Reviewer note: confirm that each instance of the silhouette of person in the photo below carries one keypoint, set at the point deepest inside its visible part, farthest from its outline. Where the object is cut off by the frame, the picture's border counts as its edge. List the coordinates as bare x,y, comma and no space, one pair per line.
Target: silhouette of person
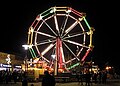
81,78
99,77
24,81
87,78
48,80
15,76
32,85
104,77
95,77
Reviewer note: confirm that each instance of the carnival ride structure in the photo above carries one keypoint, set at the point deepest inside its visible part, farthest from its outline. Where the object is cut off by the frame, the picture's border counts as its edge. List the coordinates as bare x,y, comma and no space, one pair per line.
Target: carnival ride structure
61,37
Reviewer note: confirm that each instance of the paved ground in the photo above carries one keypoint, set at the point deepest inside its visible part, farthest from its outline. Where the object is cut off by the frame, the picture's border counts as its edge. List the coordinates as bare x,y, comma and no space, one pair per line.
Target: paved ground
109,83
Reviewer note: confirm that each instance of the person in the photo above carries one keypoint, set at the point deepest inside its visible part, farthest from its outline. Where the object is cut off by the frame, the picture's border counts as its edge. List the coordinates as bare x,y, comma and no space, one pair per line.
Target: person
32,85
87,78
99,77
81,78
48,80
104,77
24,81
14,76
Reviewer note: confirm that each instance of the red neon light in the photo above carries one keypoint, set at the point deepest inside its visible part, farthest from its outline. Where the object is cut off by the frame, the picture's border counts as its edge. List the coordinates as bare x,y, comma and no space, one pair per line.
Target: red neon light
34,26
33,23
86,54
76,12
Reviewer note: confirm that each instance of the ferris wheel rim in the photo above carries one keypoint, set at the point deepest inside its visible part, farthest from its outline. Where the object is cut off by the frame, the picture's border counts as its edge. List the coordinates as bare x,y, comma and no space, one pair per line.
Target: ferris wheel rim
63,34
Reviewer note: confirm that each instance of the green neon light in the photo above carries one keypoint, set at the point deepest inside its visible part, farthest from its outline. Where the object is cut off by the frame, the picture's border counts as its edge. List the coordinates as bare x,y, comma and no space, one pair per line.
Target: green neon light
31,52
73,66
46,11
86,23
45,15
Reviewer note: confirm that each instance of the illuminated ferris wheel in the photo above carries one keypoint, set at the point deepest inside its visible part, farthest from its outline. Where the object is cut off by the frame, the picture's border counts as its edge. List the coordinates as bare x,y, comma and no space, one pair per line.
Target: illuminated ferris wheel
60,35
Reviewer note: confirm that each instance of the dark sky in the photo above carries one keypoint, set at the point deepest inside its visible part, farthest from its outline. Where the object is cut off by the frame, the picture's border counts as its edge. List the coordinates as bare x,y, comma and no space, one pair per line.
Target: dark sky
17,16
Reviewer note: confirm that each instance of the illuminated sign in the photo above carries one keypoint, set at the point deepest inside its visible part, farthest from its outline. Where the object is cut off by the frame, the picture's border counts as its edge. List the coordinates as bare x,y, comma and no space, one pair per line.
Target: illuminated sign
5,65
18,66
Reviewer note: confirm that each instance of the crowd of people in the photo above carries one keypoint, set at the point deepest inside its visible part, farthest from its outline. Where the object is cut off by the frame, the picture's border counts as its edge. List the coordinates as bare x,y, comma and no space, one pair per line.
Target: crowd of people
100,77
88,78
91,77
21,76
7,76
49,80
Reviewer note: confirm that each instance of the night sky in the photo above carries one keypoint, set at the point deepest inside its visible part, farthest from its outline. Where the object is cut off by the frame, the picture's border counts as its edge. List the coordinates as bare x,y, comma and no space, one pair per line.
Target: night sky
17,16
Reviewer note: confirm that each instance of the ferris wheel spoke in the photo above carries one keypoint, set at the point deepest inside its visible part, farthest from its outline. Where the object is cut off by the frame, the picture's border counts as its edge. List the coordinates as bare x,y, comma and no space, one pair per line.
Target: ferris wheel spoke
64,24
81,26
79,52
70,28
56,24
75,43
70,60
50,28
45,34
74,35
72,17
47,49
45,42
45,59
71,51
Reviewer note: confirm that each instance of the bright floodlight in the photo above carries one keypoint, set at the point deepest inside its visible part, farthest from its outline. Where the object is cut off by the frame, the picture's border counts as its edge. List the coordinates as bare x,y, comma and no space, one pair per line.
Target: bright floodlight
53,56
25,46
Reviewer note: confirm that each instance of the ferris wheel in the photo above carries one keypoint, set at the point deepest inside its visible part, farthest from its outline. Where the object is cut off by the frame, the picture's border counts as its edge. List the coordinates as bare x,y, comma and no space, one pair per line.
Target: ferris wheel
60,36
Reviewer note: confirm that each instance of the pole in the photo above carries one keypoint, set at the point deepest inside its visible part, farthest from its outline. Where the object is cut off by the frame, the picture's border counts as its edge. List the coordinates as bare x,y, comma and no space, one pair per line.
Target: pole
56,66
26,50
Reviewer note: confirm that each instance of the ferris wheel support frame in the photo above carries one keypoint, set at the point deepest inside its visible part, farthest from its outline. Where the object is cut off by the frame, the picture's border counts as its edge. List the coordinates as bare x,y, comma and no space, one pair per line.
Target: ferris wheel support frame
43,17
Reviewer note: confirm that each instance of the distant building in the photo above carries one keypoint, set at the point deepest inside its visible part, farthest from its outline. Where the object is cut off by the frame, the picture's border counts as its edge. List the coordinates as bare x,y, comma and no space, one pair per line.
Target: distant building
16,61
